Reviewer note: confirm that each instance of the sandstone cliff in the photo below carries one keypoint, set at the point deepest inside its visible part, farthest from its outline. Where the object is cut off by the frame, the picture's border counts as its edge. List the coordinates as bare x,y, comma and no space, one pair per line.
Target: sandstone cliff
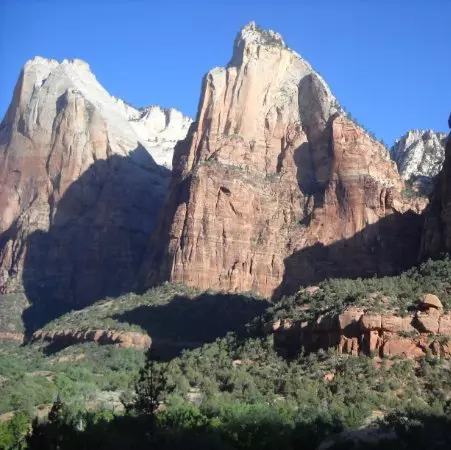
275,187
79,186
419,156
65,338
437,230
360,331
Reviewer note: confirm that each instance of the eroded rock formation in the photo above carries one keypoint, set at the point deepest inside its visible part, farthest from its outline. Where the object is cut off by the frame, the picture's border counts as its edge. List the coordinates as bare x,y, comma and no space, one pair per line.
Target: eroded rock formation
273,177
361,331
64,338
79,187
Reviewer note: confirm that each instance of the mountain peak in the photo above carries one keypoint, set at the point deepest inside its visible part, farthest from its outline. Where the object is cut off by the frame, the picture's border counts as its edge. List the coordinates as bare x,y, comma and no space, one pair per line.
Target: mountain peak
254,35
419,155
44,65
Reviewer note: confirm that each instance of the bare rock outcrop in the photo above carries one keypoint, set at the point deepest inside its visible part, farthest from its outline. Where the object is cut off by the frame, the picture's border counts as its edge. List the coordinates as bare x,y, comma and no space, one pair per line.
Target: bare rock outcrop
275,187
419,156
65,337
359,331
11,336
79,187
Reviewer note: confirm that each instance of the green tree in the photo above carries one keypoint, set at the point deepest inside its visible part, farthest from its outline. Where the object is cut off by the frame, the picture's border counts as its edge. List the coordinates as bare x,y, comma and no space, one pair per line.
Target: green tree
13,434
151,387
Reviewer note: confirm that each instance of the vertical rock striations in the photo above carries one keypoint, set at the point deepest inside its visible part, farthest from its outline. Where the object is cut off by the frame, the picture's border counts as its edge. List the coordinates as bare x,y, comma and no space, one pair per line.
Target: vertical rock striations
274,186
79,187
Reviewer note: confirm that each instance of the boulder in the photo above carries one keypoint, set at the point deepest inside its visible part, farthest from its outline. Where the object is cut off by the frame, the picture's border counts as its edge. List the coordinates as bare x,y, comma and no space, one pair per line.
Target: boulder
430,301
428,322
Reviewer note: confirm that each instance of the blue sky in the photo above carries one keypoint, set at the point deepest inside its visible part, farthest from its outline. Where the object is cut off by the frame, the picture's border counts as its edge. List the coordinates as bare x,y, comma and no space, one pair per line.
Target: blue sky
387,61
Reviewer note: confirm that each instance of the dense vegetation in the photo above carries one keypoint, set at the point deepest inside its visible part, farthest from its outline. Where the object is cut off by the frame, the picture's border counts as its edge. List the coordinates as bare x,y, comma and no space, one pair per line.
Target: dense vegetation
397,294
264,403
82,374
234,391
170,313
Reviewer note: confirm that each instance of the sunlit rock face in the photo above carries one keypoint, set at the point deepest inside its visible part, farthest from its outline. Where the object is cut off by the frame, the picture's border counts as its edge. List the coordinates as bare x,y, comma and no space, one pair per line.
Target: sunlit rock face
419,156
80,184
158,129
275,187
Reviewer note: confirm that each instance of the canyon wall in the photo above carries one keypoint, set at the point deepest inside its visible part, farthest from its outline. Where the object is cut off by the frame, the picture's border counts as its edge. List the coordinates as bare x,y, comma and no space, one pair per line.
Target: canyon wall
274,187
80,189
437,230
359,331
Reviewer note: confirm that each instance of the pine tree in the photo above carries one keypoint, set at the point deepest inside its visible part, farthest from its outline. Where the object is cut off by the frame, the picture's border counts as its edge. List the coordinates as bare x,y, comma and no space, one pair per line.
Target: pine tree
151,386
56,413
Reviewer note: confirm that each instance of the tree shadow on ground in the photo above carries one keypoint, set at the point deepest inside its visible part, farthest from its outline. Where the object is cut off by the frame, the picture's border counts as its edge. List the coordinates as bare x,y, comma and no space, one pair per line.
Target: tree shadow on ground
98,233
186,322
189,428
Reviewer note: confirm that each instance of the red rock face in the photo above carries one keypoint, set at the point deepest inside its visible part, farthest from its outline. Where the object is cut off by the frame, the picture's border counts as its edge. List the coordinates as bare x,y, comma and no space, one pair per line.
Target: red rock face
124,339
73,180
275,187
356,331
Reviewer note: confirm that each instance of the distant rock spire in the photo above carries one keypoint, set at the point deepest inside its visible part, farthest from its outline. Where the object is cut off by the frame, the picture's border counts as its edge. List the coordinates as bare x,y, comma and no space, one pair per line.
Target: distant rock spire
449,121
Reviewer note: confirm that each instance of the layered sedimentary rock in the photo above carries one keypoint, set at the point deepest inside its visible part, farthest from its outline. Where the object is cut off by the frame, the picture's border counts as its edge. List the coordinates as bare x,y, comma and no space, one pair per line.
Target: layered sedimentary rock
419,156
275,187
79,187
65,338
361,331
437,229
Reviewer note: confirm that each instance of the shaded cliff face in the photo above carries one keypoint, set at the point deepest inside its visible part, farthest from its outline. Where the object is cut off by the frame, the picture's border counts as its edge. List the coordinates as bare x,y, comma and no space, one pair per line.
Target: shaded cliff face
437,229
270,168
79,192
419,156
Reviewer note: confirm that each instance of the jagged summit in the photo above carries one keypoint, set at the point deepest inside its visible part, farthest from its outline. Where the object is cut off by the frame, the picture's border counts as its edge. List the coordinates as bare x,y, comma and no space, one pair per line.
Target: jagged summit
419,155
252,36
81,184
44,82
274,184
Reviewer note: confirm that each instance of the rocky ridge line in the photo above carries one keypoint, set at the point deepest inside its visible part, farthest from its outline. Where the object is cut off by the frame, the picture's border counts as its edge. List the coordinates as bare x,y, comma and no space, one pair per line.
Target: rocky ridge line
123,339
